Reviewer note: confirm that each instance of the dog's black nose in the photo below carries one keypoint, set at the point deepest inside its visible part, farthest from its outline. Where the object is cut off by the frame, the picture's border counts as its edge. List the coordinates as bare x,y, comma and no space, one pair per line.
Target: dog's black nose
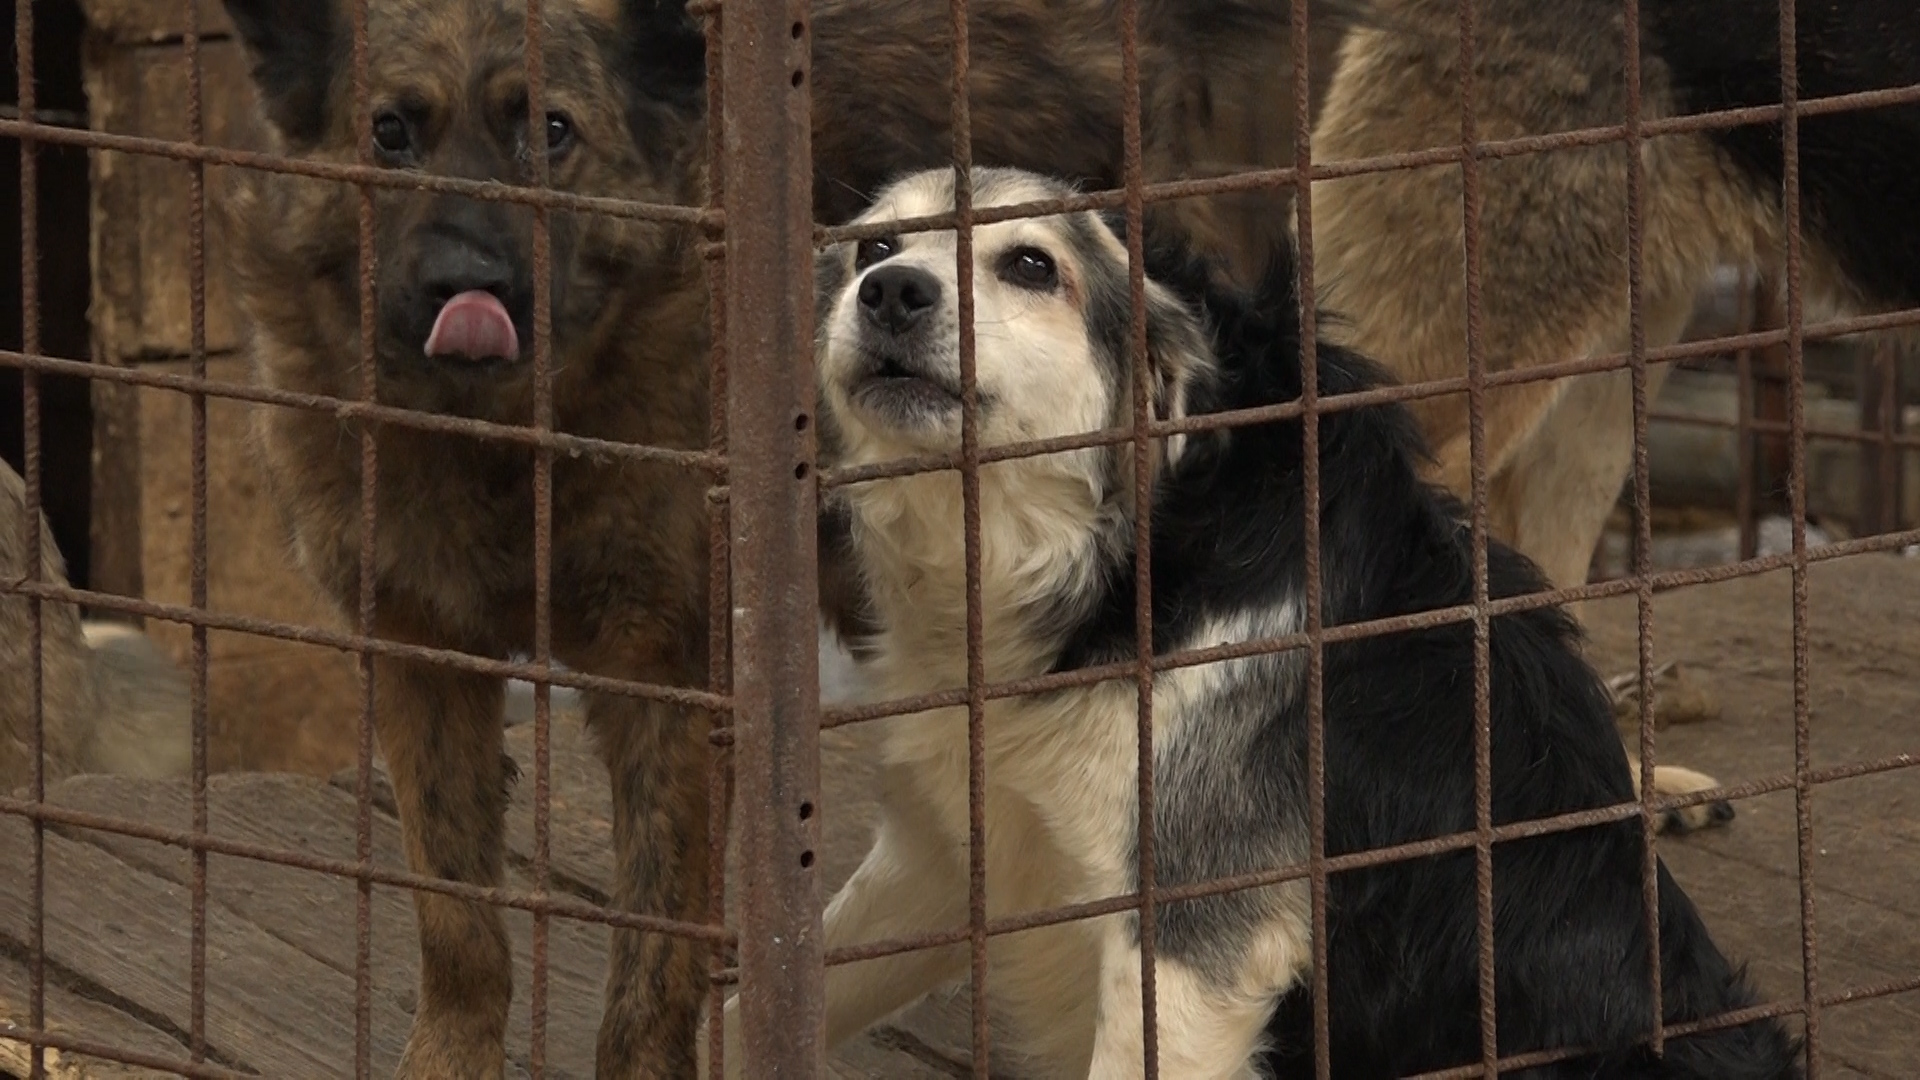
897,298
451,267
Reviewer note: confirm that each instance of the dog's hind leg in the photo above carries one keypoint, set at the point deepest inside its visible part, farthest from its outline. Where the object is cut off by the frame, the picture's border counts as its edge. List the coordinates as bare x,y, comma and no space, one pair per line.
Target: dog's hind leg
656,983
1207,1029
1552,498
441,731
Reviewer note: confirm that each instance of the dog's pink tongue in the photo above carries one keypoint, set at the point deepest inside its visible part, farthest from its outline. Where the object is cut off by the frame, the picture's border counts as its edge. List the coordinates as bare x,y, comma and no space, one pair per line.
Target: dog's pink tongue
474,325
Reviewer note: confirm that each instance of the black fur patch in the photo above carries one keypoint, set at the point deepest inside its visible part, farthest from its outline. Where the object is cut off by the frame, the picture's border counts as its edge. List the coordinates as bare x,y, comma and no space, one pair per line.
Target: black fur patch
1859,169
1571,947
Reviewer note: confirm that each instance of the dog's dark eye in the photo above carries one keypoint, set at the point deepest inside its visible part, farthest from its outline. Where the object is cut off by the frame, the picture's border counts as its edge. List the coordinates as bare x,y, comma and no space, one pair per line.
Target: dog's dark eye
390,134
1030,268
559,133
872,251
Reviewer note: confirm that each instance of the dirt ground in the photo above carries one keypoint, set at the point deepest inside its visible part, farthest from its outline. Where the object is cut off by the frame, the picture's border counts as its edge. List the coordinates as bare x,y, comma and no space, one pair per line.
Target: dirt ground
1863,862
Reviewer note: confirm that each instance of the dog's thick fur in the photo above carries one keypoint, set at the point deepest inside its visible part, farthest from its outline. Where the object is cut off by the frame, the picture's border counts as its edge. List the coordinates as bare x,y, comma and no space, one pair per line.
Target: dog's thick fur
1554,236
629,347
1229,742
111,701
1553,256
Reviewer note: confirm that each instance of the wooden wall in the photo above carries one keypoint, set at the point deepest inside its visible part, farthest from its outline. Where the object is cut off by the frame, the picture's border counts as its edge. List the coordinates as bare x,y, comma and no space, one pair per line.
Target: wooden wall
274,705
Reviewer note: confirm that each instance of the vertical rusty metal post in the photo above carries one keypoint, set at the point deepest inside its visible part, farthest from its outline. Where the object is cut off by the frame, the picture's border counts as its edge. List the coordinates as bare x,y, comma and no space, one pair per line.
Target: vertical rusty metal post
1317,878
30,431
768,179
1797,504
197,314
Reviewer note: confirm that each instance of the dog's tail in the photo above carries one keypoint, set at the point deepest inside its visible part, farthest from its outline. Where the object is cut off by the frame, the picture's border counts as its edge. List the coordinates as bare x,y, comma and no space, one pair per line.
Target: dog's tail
1699,984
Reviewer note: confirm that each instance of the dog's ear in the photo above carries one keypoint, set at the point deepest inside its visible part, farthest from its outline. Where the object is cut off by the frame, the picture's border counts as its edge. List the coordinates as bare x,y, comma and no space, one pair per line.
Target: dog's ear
666,52
296,47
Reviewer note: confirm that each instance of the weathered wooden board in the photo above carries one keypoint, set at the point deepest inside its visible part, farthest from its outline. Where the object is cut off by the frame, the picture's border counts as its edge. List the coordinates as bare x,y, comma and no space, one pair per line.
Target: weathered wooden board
281,941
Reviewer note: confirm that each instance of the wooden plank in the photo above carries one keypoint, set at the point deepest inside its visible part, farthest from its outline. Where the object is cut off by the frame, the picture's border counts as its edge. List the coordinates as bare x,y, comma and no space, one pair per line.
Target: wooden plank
315,913
75,1016
141,262
269,1006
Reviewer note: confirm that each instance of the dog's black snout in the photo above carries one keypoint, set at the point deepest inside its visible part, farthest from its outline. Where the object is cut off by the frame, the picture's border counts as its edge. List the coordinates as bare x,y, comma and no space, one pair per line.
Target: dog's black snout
452,267
897,298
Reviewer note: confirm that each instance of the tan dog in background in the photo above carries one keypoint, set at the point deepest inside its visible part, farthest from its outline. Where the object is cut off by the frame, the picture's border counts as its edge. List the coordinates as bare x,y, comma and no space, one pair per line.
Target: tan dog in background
1553,240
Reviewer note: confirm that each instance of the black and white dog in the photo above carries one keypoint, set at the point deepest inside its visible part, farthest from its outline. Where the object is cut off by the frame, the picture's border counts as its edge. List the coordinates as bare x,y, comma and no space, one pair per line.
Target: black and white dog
1052,312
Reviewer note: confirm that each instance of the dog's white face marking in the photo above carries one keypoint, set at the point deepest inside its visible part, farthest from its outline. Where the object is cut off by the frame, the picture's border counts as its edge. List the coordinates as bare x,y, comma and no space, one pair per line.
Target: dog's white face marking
1053,318
890,356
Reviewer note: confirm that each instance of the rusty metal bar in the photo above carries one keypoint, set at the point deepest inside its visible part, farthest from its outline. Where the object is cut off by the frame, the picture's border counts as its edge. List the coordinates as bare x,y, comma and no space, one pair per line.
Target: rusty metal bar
495,191
1642,547
349,409
197,588
1134,177
840,477
30,424
768,177
535,61
1662,581
1312,405
368,558
1262,179
1471,207
719,657
1797,499
1870,439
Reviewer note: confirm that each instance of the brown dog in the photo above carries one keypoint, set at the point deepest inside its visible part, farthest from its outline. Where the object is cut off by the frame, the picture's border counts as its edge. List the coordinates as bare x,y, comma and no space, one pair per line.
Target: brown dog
1553,262
454,289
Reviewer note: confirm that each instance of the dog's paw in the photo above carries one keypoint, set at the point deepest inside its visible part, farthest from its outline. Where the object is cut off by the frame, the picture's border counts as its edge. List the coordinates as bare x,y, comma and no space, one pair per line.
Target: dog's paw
1671,780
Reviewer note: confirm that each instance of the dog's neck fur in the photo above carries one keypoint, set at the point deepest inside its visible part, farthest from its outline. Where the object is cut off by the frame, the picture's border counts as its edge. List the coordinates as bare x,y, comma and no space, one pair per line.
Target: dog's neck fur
1047,539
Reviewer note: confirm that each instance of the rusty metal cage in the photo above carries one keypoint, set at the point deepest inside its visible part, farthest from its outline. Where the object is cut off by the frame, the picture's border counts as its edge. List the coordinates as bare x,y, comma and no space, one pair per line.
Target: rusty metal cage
759,240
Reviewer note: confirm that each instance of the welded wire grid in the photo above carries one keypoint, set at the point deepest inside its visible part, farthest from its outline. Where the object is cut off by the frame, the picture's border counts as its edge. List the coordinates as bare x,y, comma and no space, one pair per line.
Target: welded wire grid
762,503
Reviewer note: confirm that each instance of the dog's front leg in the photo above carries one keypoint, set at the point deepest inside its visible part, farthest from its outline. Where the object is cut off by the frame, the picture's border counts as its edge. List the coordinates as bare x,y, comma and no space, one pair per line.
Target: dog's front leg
657,758
909,883
441,731
1208,1022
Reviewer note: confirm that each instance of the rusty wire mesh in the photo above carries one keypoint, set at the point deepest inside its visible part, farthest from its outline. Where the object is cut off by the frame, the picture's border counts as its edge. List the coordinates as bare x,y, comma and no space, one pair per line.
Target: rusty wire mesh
761,509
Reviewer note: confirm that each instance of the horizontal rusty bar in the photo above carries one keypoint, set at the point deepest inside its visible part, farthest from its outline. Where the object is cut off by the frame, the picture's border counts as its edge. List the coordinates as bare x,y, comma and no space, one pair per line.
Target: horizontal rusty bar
537,901
837,717
356,409
711,219
357,643
1662,581
1777,427
1420,849
1380,395
362,175
1264,179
